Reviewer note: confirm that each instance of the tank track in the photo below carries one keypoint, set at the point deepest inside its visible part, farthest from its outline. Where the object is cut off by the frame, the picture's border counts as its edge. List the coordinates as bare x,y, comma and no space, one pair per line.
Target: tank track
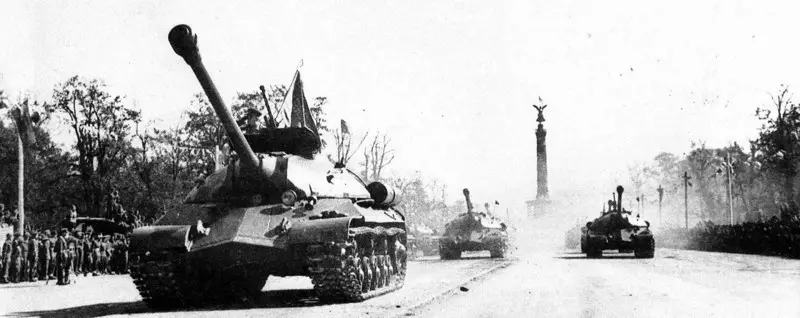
155,277
165,280
372,262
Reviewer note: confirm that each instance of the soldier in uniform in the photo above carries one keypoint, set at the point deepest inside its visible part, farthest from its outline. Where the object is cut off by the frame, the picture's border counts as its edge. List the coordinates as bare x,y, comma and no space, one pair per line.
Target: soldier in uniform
54,257
88,253
8,248
16,259
72,244
44,255
63,260
79,257
105,250
23,273
249,123
115,210
33,258
98,265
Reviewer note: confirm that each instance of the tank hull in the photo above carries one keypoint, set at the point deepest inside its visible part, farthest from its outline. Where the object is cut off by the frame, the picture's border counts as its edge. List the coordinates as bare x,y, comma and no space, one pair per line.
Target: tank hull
176,259
639,241
493,240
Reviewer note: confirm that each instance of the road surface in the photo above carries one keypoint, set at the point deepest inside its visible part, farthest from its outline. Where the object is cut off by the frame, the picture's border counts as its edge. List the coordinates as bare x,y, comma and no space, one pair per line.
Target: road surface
540,279
676,283
290,296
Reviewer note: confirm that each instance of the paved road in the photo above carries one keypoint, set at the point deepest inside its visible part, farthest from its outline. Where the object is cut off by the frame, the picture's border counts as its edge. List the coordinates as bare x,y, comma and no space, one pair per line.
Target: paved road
675,283
291,296
540,280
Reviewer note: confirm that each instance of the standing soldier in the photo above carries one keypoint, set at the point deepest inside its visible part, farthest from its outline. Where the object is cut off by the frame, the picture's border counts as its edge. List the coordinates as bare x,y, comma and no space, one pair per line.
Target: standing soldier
88,253
16,259
62,257
72,244
6,261
44,256
53,255
104,249
23,274
79,252
33,258
98,265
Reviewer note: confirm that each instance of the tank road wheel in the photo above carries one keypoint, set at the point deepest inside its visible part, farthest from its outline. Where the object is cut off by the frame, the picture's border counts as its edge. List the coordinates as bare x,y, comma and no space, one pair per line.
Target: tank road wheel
367,265
594,249
583,243
448,250
644,246
167,281
497,248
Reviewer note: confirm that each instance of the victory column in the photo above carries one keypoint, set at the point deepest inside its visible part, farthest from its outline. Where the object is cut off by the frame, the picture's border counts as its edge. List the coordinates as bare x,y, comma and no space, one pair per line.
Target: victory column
539,205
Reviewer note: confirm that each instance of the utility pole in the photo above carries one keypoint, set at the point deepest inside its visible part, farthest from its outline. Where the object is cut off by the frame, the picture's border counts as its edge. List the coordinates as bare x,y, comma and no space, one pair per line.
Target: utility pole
21,184
660,198
728,170
686,185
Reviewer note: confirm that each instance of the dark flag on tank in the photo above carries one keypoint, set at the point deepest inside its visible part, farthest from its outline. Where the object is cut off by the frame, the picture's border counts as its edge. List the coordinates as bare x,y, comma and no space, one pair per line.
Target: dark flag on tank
345,128
301,114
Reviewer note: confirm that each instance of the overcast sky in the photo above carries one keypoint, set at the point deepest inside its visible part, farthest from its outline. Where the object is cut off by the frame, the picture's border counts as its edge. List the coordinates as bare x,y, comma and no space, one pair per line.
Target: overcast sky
452,84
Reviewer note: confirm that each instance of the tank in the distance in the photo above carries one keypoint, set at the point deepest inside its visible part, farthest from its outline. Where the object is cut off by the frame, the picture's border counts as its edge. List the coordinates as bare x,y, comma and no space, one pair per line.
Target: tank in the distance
617,229
473,231
278,209
427,242
573,236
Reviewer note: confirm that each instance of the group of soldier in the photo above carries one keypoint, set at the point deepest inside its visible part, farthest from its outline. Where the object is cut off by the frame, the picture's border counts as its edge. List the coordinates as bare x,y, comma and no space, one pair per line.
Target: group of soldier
775,236
35,256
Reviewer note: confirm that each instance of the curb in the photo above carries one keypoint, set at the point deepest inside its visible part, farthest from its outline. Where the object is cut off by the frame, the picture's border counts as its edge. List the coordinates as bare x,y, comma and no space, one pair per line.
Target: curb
453,288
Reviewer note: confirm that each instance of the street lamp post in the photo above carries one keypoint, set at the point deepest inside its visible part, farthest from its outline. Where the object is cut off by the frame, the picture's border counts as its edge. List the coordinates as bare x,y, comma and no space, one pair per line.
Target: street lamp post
660,198
686,185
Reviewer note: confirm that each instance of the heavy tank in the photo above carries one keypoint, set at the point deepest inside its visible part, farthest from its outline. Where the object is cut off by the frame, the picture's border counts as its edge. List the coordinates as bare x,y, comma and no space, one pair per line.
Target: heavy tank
473,231
617,229
427,243
275,209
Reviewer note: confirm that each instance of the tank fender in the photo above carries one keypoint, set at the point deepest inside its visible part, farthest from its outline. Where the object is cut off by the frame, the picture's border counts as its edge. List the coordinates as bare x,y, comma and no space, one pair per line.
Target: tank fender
320,230
161,238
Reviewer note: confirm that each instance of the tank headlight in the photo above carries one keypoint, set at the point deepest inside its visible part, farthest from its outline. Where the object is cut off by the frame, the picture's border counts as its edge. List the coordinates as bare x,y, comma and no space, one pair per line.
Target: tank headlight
289,197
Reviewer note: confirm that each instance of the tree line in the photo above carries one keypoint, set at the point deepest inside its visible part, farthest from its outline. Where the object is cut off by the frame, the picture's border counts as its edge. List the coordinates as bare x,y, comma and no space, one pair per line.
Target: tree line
763,174
112,147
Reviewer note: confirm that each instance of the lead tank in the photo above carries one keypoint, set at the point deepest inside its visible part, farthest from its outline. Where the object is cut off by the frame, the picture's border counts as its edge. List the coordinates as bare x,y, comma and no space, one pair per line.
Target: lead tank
617,229
277,209
473,231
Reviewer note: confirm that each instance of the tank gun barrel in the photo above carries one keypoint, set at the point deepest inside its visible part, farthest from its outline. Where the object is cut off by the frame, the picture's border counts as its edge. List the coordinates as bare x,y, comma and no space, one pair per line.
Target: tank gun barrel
469,202
184,43
620,189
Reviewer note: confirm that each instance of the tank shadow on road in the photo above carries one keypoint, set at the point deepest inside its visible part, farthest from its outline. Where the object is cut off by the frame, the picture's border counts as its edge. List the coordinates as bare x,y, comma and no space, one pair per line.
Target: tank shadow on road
604,257
94,310
268,299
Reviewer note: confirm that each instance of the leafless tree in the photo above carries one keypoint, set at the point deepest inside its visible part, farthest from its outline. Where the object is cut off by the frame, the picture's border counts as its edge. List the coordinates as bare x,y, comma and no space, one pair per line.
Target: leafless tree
344,146
377,155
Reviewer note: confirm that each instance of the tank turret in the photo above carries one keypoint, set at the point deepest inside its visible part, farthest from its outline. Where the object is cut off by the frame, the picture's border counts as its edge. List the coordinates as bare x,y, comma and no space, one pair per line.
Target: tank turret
617,229
276,209
473,231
